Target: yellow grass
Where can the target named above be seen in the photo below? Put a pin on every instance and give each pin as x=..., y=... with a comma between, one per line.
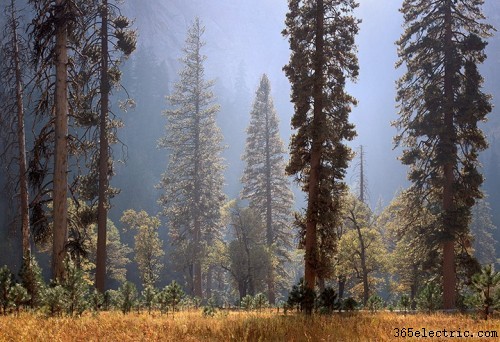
x=234, y=326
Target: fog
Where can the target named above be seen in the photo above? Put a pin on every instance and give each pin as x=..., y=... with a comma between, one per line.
x=243, y=41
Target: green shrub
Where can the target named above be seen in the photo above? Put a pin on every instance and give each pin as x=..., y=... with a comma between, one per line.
x=18, y=296
x=429, y=299
x=327, y=301
x=5, y=285
x=148, y=297
x=374, y=303
x=127, y=297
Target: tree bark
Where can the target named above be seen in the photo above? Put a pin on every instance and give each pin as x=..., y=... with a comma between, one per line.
x=102, y=208
x=60, y=218
x=311, y=243
x=21, y=141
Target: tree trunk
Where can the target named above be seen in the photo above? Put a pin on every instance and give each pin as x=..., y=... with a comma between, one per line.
x=60, y=218
x=362, y=255
x=102, y=210
x=311, y=243
x=341, y=281
x=21, y=140
x=447, y=138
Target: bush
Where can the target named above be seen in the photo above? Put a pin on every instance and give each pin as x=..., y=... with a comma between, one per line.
x=76, y=287
x=301, y=297
x=18, y=296
x=32, y=281
x=148, y=297
x=210, y=309
x=5, y=285
x=405, y=303
x=484, y=284
x=327, y=300
x=374, y=303
x=127, y=297
x=174, y=295
x=246, y=302
x=55, y=299
x=260, y=301
x=349, y=304
x=429, y=299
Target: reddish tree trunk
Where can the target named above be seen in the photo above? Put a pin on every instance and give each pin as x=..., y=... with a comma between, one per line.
x=60, y=217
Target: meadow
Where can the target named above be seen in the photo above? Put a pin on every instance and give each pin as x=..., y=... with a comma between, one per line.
x=244, y=326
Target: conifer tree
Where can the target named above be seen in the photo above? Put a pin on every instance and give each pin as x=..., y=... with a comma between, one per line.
x=265, y=184
x=192, y=184
x=12, y=108
x=321, y=35
x=441, y=103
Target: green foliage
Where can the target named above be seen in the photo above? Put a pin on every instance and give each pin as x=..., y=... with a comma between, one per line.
x=430, y=298
x=96, y=300
x=405, y=303
x=327, y=300
x=5, y=285
x=127, y=297
x=318, y=148
x=210, y=309
x=55, y=299
x=18, y=296
x=301, y=297
x=260, y=301
x=375, y=303
x=148, y=297
x=247, y=258
x=246, y=303
x=174, y=295
x=485, y=284
x=349, y=304
x=32, y=281
x=148, y=247
x=76, y=288
x=265, y=184
x=192, y=186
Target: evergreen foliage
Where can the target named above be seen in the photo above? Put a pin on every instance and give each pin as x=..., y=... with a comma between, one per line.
x=440, y=106
x=485, y=284
x=126, y=297
x=321, y=35
x=5, y=285
x=265, y=184
x=430, y=298
x=148, y=297
x=193, y=182
x=328, y=301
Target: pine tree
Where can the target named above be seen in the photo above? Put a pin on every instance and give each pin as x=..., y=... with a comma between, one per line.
x=441, y=103
x=321, y=35
x=265, y=184
x=192, y=184
x=13, y=112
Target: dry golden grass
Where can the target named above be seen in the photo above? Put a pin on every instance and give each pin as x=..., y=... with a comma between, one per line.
x=233, y=326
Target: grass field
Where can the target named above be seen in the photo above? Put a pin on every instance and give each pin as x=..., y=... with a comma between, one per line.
x=239, y=326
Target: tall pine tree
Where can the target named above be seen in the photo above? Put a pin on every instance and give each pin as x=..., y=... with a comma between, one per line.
x=265, y=184
x=441, y=103
x=321, y=35
x=193, y=182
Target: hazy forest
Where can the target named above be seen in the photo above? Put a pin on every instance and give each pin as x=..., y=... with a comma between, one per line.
x=297, y=170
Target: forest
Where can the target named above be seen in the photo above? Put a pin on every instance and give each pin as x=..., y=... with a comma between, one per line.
x=257, y=170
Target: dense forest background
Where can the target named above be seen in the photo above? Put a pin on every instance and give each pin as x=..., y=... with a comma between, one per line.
x=243, y=41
